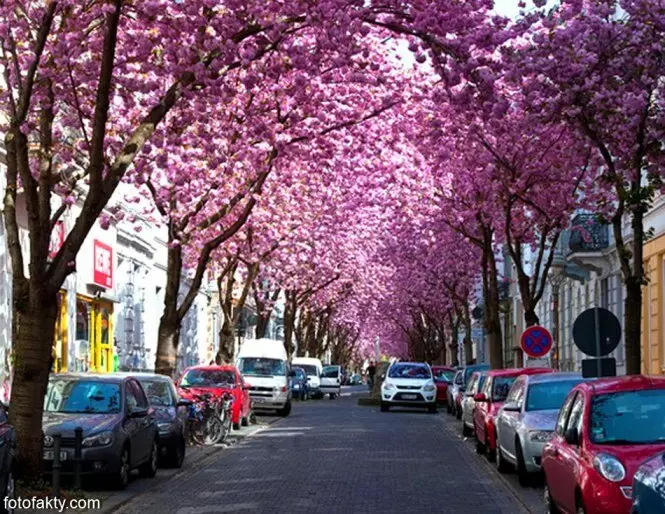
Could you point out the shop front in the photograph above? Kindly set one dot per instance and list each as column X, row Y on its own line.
column 94, row 345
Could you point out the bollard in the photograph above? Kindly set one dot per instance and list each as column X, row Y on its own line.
column 78, row 441
column 56, row 465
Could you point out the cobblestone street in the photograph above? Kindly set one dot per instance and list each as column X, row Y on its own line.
column 334, row 456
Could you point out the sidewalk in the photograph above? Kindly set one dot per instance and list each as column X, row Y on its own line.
column 196, row 457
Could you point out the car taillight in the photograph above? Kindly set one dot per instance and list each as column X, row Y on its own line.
column 284, row 389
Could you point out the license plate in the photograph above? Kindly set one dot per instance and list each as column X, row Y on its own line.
column 259, row 400
column 410, row 396
column 48, row 455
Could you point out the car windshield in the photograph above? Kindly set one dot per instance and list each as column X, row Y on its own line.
column 481, row 382
column 262, row 367
column 330, row 372
column 82, row 397
column 158, row 392
column 310, row 369
column 443, row 375
column 208, row 378
column 630, row 417
column 409, row 371
column 549, row 395
column 299, row 373
column 501, row 387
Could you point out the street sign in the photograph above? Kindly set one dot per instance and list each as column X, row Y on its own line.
column 536, row 341
column 596, row 368
column 596, row 332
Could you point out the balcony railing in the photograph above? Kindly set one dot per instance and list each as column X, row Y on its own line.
column 587, row 234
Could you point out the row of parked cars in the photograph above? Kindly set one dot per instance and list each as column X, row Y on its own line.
column 599, row 444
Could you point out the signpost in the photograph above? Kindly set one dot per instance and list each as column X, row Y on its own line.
column 597, row 332
column 536, row 342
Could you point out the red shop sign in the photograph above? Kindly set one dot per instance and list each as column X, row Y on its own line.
column 103, row 270
column 57, row 239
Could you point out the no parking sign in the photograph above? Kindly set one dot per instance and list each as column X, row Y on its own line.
column 536, row 341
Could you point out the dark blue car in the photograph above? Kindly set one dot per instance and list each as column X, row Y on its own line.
column 649, row 486
column 299, row 385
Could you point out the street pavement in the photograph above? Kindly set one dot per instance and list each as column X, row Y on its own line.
column 333, row 456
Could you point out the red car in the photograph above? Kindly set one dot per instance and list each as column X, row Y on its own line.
column 488, row 402
column 218, row 380
column 605, row 430
column 443, row 377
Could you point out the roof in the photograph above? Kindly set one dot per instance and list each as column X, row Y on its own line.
column 101, row 377
column 142, row 375
column 624, row 383
column 226, row 367
column 553, row 377
column 411, row 363
column 444, row 367
column 514, row 372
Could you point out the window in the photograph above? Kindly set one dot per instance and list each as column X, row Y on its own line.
column 471, row 389
column 631, row 417
column 564, row 412
column 501, row 387
column 459, row 378
column 262, row 367
column 605, row 293
column 409, row 371
column 310, row 369
column 82, row 397
column 549, row 396
column 514, row 392
column 139, row 395
column 443, row 375
column 487, row 387
column 576, row 414
column 208, row 378
column 158, row 392
column 330, row 372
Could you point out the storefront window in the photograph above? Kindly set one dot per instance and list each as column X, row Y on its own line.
column 82, row 335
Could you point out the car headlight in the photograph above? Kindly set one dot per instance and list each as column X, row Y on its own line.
column 540, row 436
column 48, row 441
column 101, row 439
column 609, row 467
column 164, row 427
column 388, row 386
column 429, row 387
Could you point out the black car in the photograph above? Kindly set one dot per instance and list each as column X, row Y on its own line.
column 649, row 486
column 170, row 413
column 7, row 452
column 119, row 431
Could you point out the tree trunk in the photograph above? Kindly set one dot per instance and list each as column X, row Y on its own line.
column 226, row 343
column 492, row 306
column 168, row 338
column 262, row 325
column 289, row 322
column 33, row 346
column 633, row 300
column 468, row 342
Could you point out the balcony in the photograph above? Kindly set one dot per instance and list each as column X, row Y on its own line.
column 588, row 243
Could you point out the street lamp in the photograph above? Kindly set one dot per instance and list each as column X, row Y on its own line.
column 557, row 274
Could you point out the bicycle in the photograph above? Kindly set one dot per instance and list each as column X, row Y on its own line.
column 204, row 423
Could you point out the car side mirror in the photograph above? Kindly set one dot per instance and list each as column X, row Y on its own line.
column 512, row 407
column 480, row 398
column 572, row 436
column 183, row 402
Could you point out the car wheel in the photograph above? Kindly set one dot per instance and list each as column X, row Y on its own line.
column 489, row 452
column 385, row 407
column 178, row 454
column 10, row 493
column 449, row 408
column 458, row 412
column 480, row 447
column 286, row 410
column 245, row 421
column 432, row 409
column 149, row 468
column 236, row 426
column 501, row 464
column 522, row 474
column 550, row 506
column 466, row 431
column 122, row 476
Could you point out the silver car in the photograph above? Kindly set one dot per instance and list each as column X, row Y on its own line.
column 468, row 403
column 453, row 390
column 527, row 419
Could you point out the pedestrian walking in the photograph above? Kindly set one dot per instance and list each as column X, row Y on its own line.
column 371, row 371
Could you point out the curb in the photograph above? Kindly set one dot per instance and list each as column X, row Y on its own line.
column 369, row 402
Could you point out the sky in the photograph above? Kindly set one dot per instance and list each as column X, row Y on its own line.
column 507, row 8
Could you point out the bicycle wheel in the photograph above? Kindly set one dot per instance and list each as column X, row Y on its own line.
column 208, row 432
column 226, row 426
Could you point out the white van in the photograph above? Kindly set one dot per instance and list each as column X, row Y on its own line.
column 331, row 381
column 313, row 368
column 263, row 364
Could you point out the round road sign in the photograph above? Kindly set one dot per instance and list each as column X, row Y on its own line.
column 609, row 332
column 536, row 341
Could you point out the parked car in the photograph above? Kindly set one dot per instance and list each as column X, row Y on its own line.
column 264, row 363
column 170, row 413
column 299, row 387
column 218, row 380
column 331, row 380
column 464, row 378
column 649, row 486
column 355, row 379
column 468, row 403
column 7, row 454
column 344, row 377
column 488, row 402
column 119, row 431
column 605, row 430
column 408, row 384
column 454, row 392
column 313, row 368
column 443, row 378
column 527, row 419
